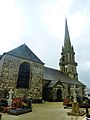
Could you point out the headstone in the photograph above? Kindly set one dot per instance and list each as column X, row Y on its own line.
column 10, row 98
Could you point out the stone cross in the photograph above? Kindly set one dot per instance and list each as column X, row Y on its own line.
column 10, row 94
column 10, row 97
column 74, row 93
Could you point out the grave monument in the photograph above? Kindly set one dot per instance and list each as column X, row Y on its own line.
column 10, row 98
column 75, row 105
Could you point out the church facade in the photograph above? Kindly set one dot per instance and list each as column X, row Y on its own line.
column 23, row 72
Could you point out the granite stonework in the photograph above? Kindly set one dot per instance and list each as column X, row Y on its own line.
column 9, row 68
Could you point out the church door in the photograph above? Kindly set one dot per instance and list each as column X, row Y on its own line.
column 59, row 95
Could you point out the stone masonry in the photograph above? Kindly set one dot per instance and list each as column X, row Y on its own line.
column 9, row 68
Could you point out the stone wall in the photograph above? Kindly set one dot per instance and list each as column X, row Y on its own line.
column 9, row 68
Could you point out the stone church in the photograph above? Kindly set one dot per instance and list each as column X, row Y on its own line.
column 23, row 72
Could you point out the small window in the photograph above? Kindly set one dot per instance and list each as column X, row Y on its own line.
column 69, row 91
column 70, row 57
column 65, row 68
column 72, row 69
column 63, row 58
column 66, row 57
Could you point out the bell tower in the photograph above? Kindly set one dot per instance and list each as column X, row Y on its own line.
column 67, row 62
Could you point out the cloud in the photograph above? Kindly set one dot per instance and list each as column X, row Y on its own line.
column 53, row 16
column 10, row 24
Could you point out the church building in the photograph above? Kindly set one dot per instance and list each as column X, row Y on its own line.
column 23, row 72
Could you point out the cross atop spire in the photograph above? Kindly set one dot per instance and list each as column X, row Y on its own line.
column 67, row 43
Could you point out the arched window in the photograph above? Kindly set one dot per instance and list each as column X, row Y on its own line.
column 63, row 58
column 66, row 57
column 23, row 75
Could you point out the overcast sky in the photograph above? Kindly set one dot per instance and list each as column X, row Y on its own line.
column 41, row 25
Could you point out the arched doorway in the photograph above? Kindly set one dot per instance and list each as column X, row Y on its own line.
column 59, row 95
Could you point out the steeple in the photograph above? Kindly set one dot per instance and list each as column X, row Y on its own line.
column 67, row 62
column 67, row 42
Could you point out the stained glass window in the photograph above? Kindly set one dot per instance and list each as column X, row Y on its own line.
column 23, row 75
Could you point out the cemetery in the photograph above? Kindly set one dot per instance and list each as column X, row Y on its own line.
column 15, row 106
column 20, row 106
column 45, row 111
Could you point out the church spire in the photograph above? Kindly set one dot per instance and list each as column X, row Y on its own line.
column 67, row 42
column 67, row 61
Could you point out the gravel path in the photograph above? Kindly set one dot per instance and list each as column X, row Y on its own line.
column 44, row 111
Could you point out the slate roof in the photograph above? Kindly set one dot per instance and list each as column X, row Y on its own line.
column 55, row 82
column 52, row 83
column 24, row 52
column 54, row 75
